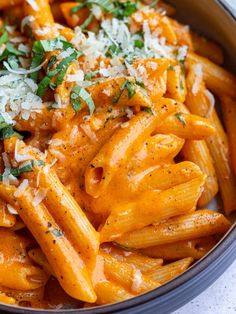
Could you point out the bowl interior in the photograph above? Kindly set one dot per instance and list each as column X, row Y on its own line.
column 209, row 18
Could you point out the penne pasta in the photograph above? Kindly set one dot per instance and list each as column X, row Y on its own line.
column 125, row 275
column 170, row 271
column 228, row 106
column 217, row 79
column 202, row 223
column 198, row 152
column 66, row 263
column 155, row 206
column 196, row 249
column 186, row 126
column 109, row 292
column 199, row 103
column 102, row 168
column 110, row 144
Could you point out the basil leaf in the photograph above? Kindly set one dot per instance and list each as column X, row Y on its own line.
column 88, row 76
column 113, row 50
column 154, row 3
column 87, row 21
column 181, row 118
column 79, row 93
column 8, row 132
column 57, row 233
column 64, row 65
column 131, row 90
column 4, row 38
column 3, row 124
column 148, row 110
column 138, row 43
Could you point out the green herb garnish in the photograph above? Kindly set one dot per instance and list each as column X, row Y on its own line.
column 79, row 93
column 180, row 117
column 148, row 110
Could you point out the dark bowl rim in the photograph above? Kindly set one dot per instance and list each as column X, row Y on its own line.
column 224, row 244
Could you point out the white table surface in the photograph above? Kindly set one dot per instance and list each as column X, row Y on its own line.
column 220, row 298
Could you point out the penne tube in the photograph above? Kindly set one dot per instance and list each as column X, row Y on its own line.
column 22, row 277
column 78, row 18
column 187, row 126
column 126, row 275
column 68, row 215
column 154, row 20
column 6, row 4
column 120, row 148
column 207, row 48
column 138, row 260
column 118, row 95
column 41, row 18
column 152, row 207
column 16, row 270
column 196, row 249
column 7, row 219
column 199, row 103
column 199, row 224
column 182, row 33
column 109, row 292
column 157, row 149
column 170, row 271
column 217, row 79
column 40, row 259
column 64, row 260
column 18, row 225
column 228, row 106
column 167, row 176
column 176, row 86
column 198, row 152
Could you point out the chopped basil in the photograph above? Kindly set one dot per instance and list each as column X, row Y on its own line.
column 87, row 22
column 4, row 38
column 124, row 9
column 138, row 43
column 88, row 76
column 64, row 65
column 10, row 50
column 56, row 232
column 117, row 8
column 154, row 3
column 8, row 132
column 171, row 68
column 18, row 171
column 113, row 50
column 148, row 110
column 181, row 118
column 3, row 124
column 106, row 5
column 130, row 88
column 79, row 93
column 42, row 46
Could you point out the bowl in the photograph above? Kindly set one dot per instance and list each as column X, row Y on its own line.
column 216, row 20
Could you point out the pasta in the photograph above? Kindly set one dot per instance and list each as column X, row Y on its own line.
column 110, row 146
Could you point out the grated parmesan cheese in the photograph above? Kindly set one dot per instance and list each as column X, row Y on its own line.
column 21, row 188
column 39, row 196
column 12, row 210
column 33, row 5
column 198, row 80
column 211, row 99
column 137, row 280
